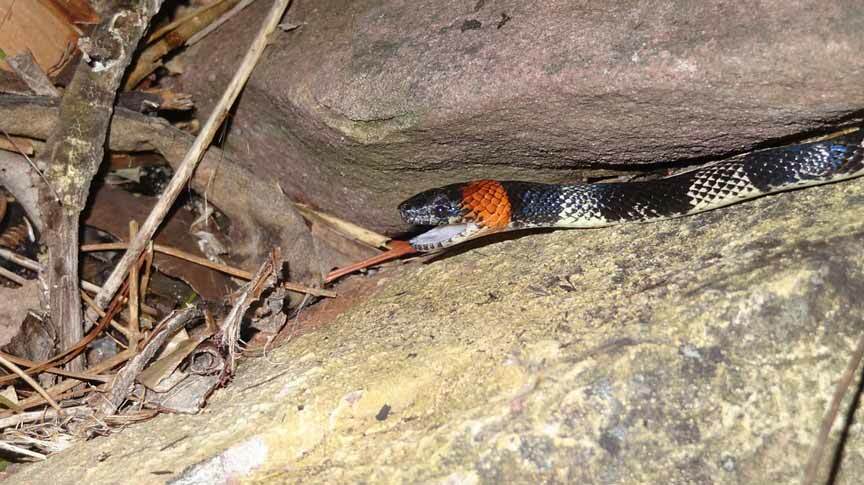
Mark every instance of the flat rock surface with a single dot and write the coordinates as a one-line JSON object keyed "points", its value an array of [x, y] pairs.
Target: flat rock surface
{"points": [[697, 350], [366, 102]]}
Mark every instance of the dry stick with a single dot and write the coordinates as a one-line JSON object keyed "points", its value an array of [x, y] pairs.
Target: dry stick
{"points": [[29, 71], [74, 151], [74, 350], [54, 370], [122, 383], [221, 20], [177, 253], [831, 415], [184, 171], [59, 389], [162, 31], [28, 263], [134, 322], [114, 324], [12, 276], [33, 416], [29, 380], [239, 273], [21, 451], [148, 268]]}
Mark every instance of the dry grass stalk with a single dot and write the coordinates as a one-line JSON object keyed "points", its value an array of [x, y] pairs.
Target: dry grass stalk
{"points": [[28, 263], [134, 296], [239, 273], [840, 391], [81, 376], [346, 228], [41, 416], [177, 253], [29, 380]]}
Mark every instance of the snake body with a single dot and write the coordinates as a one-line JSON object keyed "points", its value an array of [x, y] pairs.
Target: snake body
{"points": [[472, 209]]}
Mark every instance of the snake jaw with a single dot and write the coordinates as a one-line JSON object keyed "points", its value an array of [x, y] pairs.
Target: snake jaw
{"points": [[441, 237]]}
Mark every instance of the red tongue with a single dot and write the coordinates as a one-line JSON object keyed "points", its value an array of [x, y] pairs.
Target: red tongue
{"points": [[397, 250]]}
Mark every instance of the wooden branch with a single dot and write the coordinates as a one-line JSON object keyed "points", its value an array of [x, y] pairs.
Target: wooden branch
{"points": [[187, 167], [74, 151], [28, 70]]}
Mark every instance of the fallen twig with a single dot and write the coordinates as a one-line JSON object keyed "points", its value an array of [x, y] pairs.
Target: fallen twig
{"points": [[236, 272], [120, 386], [28, 70], [233, 321], [12, 276], [33, 416], [29, 380], [21, 451], [28, 263], [74, 152], [134, 296], [840, 391], [81, 376], [221, 20], [177, 253], [346, 228]]}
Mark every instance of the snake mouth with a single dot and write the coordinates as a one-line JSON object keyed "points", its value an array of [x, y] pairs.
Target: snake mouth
{"points": [[448, 235]]}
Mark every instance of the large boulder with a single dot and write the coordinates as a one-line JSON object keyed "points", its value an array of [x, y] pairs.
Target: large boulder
{"points": [[366, 102], [696, 350]]}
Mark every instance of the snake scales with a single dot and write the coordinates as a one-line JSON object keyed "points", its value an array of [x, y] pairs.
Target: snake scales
{"points": [[469, 210]]}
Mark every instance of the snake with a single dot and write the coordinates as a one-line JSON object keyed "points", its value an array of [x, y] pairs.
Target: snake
{"points": [[468, 210]]}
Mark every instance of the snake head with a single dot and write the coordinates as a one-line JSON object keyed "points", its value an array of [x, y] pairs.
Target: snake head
{"points": [[461, 212], [434, 207]]}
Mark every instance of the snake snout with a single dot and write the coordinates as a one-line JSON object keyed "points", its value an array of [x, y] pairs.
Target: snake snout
{"points": [[433, 207]]}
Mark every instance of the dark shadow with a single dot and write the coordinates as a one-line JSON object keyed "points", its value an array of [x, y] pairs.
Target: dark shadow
{"points": [[837, 460]]}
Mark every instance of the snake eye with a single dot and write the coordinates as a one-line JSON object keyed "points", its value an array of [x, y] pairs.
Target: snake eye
{"points": [[440, 212]]}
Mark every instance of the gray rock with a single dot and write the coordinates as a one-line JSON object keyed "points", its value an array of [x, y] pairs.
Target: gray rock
{"points": [[697, 350], [368, 102]]}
